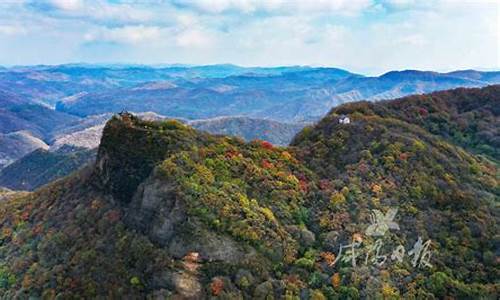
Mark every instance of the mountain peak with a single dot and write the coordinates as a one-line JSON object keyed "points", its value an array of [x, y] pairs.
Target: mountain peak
{"points": [[130, 147], [408, 74]]}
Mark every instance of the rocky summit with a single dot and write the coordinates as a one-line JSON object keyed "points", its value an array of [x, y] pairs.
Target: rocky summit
{"points": [[400, 201]]}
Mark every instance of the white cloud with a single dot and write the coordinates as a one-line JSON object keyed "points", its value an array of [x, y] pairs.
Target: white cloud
{"points": [[360, 35], [417, 40], [277, 6], [69, 5], [193, 38], [339, 6], [126, 34], [94, 10], [12, 30]]}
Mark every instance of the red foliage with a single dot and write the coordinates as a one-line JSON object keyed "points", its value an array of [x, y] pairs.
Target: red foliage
{"points": [[363, 168], [423, 112], [37, 229], [72, 283], [25, 215], [231, 153], [294, 280], [324, 184], [266, 145], [113, 216], [266, 164], [304, 186], [403, 156], [301, 176], [216, 286]]}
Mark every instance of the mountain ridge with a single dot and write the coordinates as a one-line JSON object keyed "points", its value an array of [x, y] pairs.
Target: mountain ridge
{"points": [[170, 211]]}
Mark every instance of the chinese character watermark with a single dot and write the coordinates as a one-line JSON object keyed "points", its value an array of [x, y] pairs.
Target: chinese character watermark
{"points": [[373, 253]]}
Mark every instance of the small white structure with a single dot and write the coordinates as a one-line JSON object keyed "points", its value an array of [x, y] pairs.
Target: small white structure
{"points": [[343, 119]]}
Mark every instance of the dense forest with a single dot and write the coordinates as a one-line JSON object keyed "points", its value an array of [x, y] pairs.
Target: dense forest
{"points": [[402, 202]]}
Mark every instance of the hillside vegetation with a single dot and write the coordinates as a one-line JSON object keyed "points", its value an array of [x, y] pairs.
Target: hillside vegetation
{"points": [[42, 166], [471, 120], [167, 211]]}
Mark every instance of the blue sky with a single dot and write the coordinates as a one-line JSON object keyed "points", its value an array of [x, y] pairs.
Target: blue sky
{"points": [[367, 36]]}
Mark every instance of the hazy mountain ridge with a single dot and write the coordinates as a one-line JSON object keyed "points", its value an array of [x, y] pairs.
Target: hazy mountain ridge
{"points": [[250, 129], [17, 144], [39, 120], [49, 84], [42, 166], [263, 221], [291, 96]]}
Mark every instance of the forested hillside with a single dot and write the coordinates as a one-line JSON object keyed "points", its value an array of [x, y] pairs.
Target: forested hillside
{"points": [[386, 206]]}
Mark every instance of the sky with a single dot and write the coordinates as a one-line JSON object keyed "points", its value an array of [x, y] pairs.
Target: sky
{"points": [[365, 36]]}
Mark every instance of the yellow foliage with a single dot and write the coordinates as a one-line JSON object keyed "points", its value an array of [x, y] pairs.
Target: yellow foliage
{"points": [[449, 178], [375, 201], [96, 204], [268, 213], [205, 174], [328, 257], [317, 295], [6, 232], [377, 189], [27, 281], [286, 155], [344, 191], [388, 292], [385, 274], [336, 280], [418, 145], [326, 221], [293, 179], [337, 199]]}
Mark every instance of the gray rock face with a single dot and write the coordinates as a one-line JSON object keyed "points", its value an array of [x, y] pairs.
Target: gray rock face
{"points": [[303, 235], [187, 286], [211, 245], [157, 211]]}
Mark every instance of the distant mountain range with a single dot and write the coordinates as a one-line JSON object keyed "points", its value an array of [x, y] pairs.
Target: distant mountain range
{"points": [[291, 96], [193, 92], [50, 107], [250, 129], [42, 166], [17, 144]]}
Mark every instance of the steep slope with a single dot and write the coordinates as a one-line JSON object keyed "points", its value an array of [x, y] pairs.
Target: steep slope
{"points": [[119, 195], [41, 167], [382, 162], [376, 208], [15, 145]]}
